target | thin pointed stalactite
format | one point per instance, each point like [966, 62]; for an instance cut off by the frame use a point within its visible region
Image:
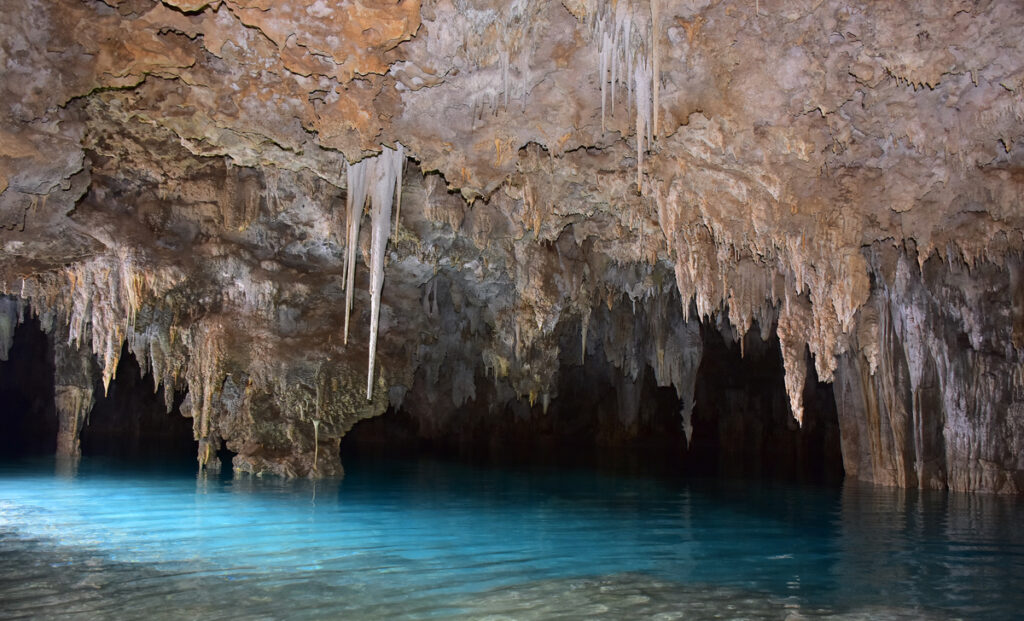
[388, 172]
[655, 12]
[614, 33]
[606, 50]
[398, 191]
[356, 198]
[584, 327]
[643, 115]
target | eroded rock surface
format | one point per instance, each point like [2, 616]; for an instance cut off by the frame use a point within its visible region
[177, 176]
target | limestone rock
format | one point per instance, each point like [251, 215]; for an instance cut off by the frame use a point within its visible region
[173, 177]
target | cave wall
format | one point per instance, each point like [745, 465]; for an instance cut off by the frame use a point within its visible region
[297, 213]
[927, 396]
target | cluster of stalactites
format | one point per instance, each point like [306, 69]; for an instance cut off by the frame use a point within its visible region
[499, 42]
[99, 300]
[95, 305]
[383, 174]
[205, 374]
[813, 287]
[627, 41]
[654, 334]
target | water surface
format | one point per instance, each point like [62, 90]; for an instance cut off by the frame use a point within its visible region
[434, 540]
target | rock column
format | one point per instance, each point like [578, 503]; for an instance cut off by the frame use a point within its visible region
[74, 374]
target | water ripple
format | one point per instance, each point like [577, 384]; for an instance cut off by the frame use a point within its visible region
[427, 540]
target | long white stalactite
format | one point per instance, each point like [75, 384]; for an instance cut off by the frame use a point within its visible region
[384, 173]
[656, 65]
[643, 117]
[630, 41]
[356, 197]
[386, 186]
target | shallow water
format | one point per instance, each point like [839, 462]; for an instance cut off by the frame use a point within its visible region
[426, 539]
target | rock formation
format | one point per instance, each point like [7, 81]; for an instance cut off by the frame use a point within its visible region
[190, 177]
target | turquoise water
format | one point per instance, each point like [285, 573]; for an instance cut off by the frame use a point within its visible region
[434, 540]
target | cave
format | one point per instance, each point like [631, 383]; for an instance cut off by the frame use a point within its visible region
[484, 308]
[127, 419]
[130, 419]
[28, 414]
[741, 423]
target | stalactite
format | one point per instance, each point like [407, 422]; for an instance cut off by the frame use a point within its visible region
[621, 39]
[656, 72]
[584, 327]
[605, 53]
[73, 379]
[642, 81]
[497, 41]
[398, 195]
[384, 173]
[686, 414]
[103, 296]
[503, 63]
[205, 375]
[358, 174]
[387, 175]
[793, 329]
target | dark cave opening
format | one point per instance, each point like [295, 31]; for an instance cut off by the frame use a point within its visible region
[742, 426]
[599, 418]
[27, 410]
[132, 421]
[225, 456]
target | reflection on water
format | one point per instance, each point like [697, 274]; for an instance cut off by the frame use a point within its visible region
[434, 540]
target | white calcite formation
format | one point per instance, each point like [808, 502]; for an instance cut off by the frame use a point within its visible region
[223, 186]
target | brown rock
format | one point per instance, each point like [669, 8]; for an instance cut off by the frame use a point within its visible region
[173, 176]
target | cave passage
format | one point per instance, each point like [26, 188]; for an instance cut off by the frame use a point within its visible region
[742, 425]
[27, 410]
[129, 421]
